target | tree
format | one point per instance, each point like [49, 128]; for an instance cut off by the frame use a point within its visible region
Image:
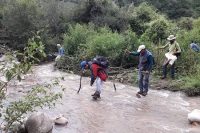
[21, 18]
[157, 31]
[102, 13]
[140, 16]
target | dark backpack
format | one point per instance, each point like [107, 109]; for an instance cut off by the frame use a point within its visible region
[101, 61]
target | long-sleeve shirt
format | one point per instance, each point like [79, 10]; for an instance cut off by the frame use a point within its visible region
[173, 48]
[145, 61]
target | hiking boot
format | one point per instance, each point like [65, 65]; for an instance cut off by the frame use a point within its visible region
[139, 92]
[163, 77]
[144, 93]
[172, 77]
[96, 94]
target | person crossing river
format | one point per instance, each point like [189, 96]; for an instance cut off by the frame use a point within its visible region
[97, 67]
[145, 67]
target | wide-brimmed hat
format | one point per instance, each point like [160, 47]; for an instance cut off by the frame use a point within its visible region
[171, 37]
[141, 47]
[58, 45]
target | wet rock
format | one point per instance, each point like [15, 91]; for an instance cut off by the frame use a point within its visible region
[194, 117]
[39, 123]
[61, 120]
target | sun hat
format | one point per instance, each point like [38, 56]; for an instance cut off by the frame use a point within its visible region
[171, 37]
[141, 47]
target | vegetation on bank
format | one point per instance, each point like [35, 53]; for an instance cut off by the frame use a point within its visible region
[105, 27]
[37, 96]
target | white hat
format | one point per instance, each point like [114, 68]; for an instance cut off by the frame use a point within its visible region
[141, 47]
[171, 37]
[58, 45]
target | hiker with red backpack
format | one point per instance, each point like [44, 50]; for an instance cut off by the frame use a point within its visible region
[146, 62]
[97, 67]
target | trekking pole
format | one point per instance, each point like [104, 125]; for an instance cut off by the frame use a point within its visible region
[79, 85]
[114, 86]
[116, 75]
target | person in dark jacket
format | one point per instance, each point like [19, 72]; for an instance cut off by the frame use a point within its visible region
[98, 73]
[145, 67]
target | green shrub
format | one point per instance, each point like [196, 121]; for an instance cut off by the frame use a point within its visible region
[85, 42]
[140, 16]
[106, 43]
[191, 86]
[189, 59]
[185, 23]
[76, 37]
[158, 30]
[101, 13]
[21, 19]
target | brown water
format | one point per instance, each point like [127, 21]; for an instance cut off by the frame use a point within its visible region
[116, 112]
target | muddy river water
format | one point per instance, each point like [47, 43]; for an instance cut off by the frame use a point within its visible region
[116, 112]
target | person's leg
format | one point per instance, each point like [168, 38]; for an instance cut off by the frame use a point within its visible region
[164, 68]
[99, 84]
[146, 84]
[141, 76]
[172, 71]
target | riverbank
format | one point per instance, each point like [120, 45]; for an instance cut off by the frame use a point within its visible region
[129, 76]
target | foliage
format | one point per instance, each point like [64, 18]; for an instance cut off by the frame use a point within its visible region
[85, 43]
[173, 8]
[21, 18]
[188, 56]
[105, 43]
[185, 23]
[140, 17]
[101, 13]
[157, 31]
[76, 37]
[38, 97]
[192, 86]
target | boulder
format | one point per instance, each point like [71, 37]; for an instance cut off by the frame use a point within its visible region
[194, 116]
[39, 123]
[61, 120]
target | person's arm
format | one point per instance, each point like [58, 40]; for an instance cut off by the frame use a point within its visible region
[163, 47]
[134, 53]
